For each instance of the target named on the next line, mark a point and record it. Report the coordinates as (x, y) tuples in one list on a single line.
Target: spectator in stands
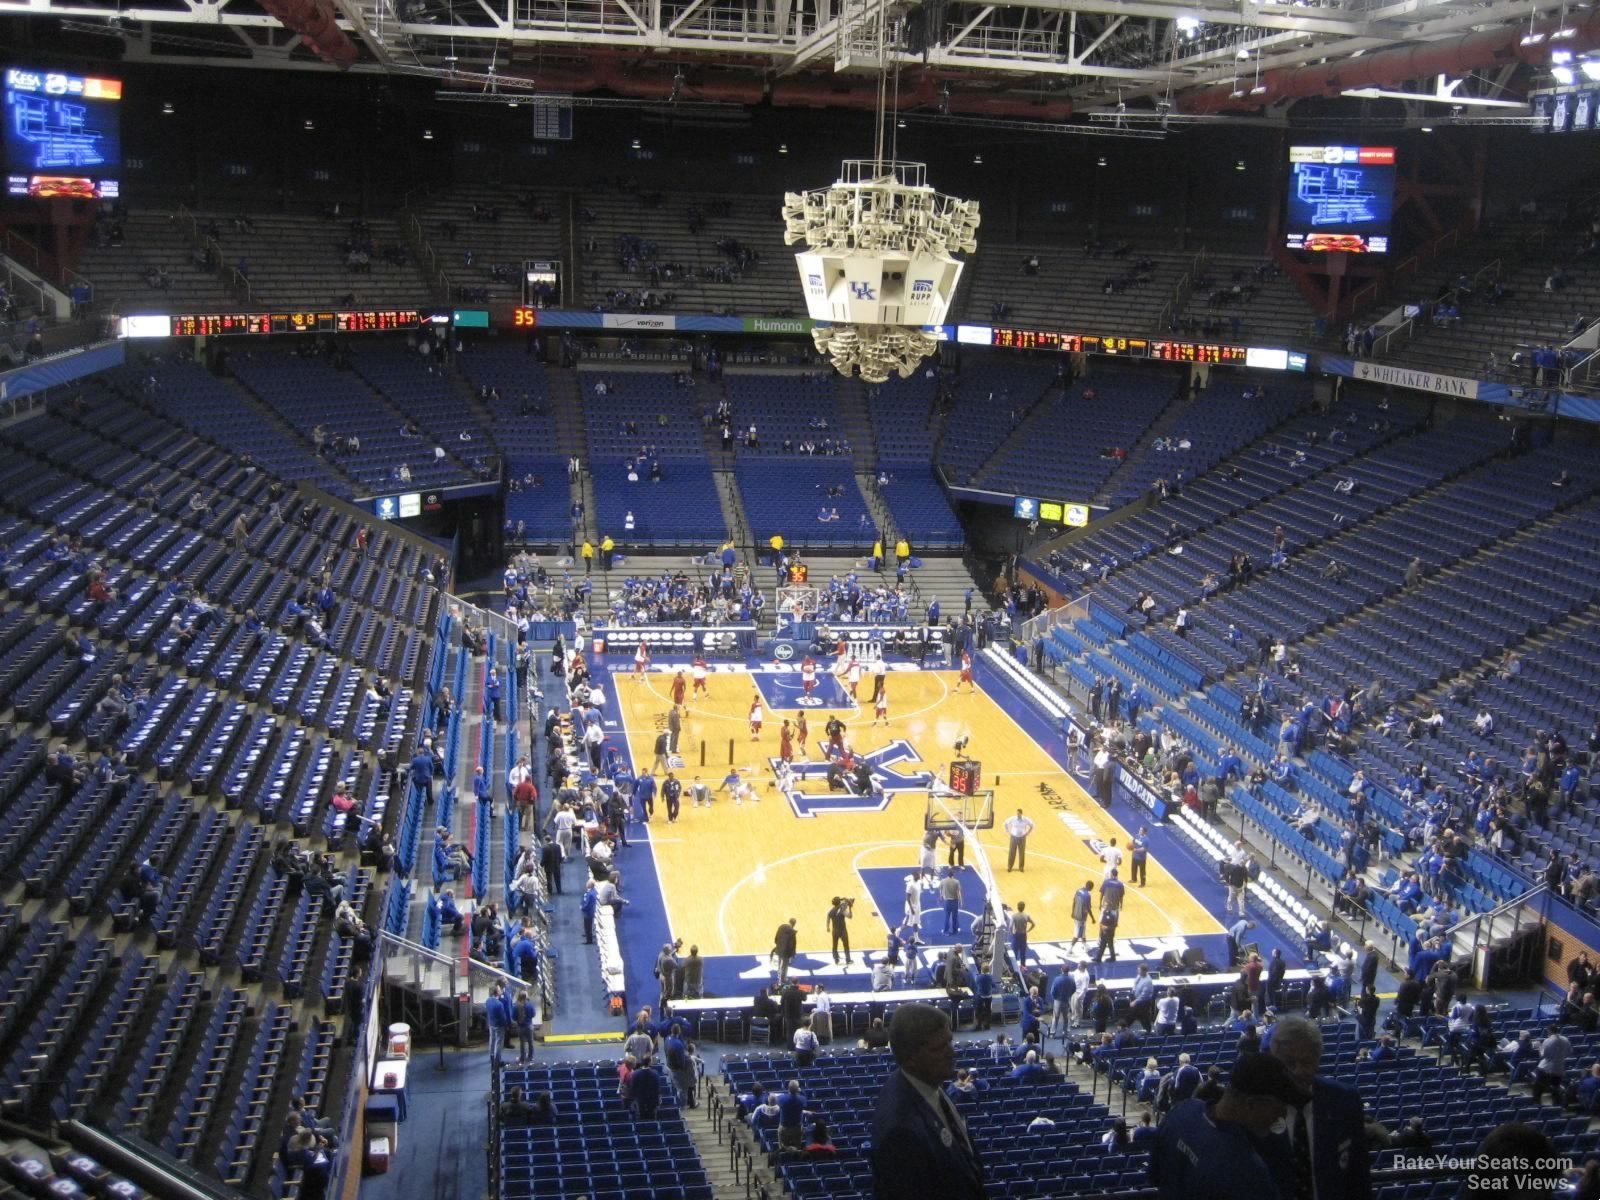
[(450, 859), (497, 1017), (1550, 1072), (675, 1053), (792, 1114), (1326, 1136), (1209, 1151), (805, 1044), (348, 925), (921, 1149), (645, 1090)]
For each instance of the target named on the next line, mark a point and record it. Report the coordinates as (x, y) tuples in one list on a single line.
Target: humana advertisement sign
[(778, 324)]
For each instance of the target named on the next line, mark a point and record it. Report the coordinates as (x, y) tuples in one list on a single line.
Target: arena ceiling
[(1042, 60)]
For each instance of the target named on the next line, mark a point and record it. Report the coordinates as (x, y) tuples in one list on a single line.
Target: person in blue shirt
[(1209, 1152), (1029, 1068), (1139, 854), (422, 770), (497, 1016), (1061, 989), (491, 694), (791, 1117), (1082, 909), (1570, 778), (449, 914), (1144, 997), (521, 1017), (1031, 1007), (933, 611), (645, 1090), (481, 789), (325, 600), (450, 861), (587, 906), (644, 796), (983, 998), (525, 955)]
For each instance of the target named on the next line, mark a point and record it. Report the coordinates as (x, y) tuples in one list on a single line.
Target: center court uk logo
[(887, 782)]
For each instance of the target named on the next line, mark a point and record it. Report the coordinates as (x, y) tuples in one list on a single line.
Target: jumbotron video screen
[(1341, 199), (63, 134)]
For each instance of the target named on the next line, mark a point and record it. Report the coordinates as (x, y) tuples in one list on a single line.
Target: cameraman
[(843, 909)]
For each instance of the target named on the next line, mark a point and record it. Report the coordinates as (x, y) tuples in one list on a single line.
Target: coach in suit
[(1322, 1153), (921, 1149)]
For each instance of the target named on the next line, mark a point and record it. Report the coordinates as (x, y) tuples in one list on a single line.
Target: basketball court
[(730, 874)]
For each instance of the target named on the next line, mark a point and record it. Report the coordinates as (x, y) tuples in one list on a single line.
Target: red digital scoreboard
[(1127, 347), (1067, 343), (1197, 352), (524, 317), (331, 321)]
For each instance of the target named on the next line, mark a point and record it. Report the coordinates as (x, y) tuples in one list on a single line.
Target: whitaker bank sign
[(1422, 381)]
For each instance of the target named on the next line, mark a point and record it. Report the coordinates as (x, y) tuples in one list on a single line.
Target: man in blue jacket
[(1061, 989), (497, 1017), (491, 694), (422, 770), (525, 956), (646, 1090), (921, 1147), (1324, 1140)]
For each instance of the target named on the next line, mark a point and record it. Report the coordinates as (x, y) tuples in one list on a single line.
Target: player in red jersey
[(853, 674), (966, 672), (755, 717), (808, 675), (801, 732), (881, 708), (680, 685), (641, 659), (698, 671), (786, 742)]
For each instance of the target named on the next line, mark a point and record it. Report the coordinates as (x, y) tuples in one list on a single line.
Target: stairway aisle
[(728, 1161)]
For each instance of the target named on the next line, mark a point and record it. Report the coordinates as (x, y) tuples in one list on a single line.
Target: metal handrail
[(1504, 907), (13, 236)]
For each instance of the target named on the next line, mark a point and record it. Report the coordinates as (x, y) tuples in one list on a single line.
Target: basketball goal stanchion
[(949, 810)]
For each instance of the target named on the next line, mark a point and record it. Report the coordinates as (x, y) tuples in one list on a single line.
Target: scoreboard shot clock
[(966, 776)]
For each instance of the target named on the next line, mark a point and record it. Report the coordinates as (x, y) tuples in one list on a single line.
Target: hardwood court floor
[(731, 874)]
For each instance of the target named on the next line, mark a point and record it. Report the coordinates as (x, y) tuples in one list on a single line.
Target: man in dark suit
[(921, 1149), (1322, 1153)]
